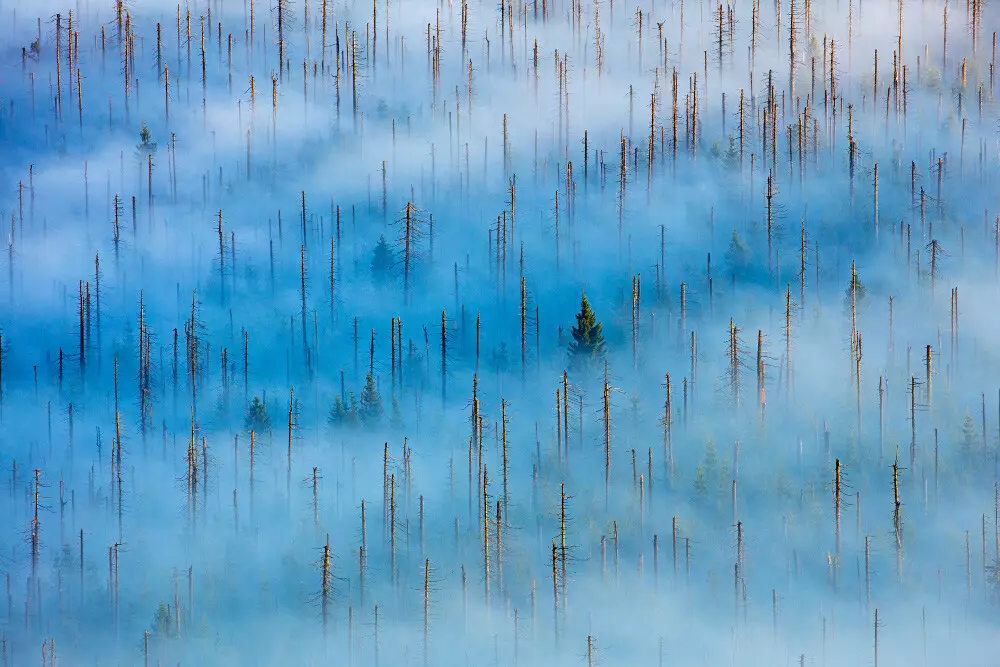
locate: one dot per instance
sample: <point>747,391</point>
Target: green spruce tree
<point>370,412</point>
<point>587,346</point>
<point>163,622</point>
<point>338,413</point>
<point>351,417</point>
<point>148,146</point>
<point>737,256</point>
<point>855,289</point>
<point>383,261</point>
<point>731,159</point>
<point>344,413</point>
<point>700,483</point>
<point>396,420</point>
<point>256,418</point>
<point>711,458</point>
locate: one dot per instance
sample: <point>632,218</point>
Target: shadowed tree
<point>344,414</point>
<point>738,256</point>
<point>500,358</point>
<point>371,411</point>
<point>731,158</point>
<point>969,449</point>
<point>587,346</point>
<point>34,51</point>
<point>396,418</point>
<point>163,622</point>
<point>256,418</point>
<point>383,261</point>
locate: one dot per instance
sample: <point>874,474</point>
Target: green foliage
<point>855,290</point>
<point>164,624</point>
<point>396,420</point>
<point>738,255</point>
<point>338,412</point>
<point>342,414</point>
<point>353,418</point>
<point>725,480</point>
<point>588,345</point>
<point>700,482</point>
<point>731,159</point>
<point>148,146</point>
<point>256,418</point>
<point>383,261</point>
<point>711,458</point>
<point>371,411</point>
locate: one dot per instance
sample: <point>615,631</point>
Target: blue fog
<point>238,430</point>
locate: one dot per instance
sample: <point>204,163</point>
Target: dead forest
<point>526,333</point>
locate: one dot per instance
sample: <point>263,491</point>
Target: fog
<point>759,459</point>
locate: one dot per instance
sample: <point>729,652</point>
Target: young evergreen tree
<point>969,439</point>
<point>700,483</point>
<point>587,346</point>
<point>382,262</point>
<point>256,418</point>
<point>148,146</point>
<point>351,413</point>
<point>716,151</point>
<point>731,159</point>
<point>396,420</point>
<point>344,414</point>
<point>711,458</point>
<point>163,622</point>
<point>338,413</point>
<point>737,256</point>
<point>855,286</point>
<point>371,410</point>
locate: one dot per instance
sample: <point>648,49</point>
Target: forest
<point>602,335</point>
